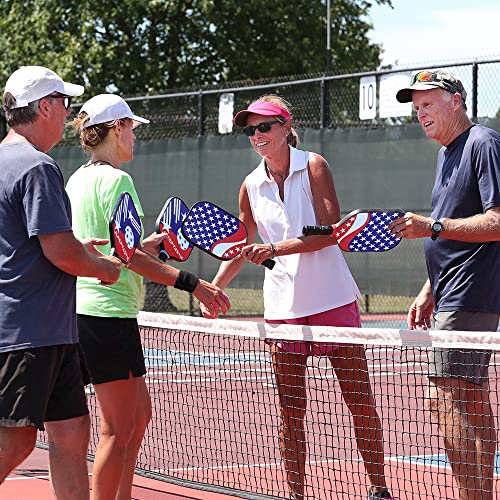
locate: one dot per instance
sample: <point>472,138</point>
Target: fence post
<point>201,112</point>
<point>475,67</point>
<point>323,121</point>
<point>201,133</point>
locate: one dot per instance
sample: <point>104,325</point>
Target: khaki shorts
<point>468,364</point>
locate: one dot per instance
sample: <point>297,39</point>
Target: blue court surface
<point>438,461</point>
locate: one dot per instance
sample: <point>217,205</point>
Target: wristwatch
<point>436,228</point>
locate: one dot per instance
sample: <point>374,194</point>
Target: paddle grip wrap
<point>186,281</point>
<point>268,263</point>
<point>308,230</point>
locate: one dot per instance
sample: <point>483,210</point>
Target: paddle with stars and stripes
<point>125,228</point>
<point>362,230</point>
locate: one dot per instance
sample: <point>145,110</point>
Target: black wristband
<point>186,281</point>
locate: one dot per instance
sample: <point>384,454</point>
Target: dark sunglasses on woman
<point>261,127</point>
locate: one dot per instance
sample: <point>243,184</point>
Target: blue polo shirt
<point>466,276</point>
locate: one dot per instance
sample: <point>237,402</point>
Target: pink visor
<point>260,108</point>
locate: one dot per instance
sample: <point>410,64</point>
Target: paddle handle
<point>326,230</point>
<point>269,263</point>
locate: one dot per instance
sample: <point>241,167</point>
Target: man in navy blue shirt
<point>40,380</point>
<point>462,251</point>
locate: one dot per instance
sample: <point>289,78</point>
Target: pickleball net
<point>216,412</point>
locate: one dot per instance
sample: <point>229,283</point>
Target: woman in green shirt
<point>107,325</point>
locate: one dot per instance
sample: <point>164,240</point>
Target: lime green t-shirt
<point>93,191</point>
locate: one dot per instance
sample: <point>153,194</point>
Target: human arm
<point>155,270</point>
<point>478,228</point>
<point>327,210</point>
<point>77,258</point>
<point>419,315</point>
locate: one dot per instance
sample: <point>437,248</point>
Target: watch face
<point>437,227</point>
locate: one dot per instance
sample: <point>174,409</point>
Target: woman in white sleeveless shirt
<point>309,285</point>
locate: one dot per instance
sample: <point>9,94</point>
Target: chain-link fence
<point>329,102</point>
<point>317,102</point>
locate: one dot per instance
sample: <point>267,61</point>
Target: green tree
<point>149,46</point>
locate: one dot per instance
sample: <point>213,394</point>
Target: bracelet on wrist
<point>186,281</point>
<point>273,250</point>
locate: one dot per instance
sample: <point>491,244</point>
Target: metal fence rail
<point>327,101</point>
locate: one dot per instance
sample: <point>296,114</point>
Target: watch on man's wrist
<point>436,228</point>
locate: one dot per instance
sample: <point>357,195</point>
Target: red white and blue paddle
<point>175,246</point>
<point>124,228</point>
<point>216,232</point>
<point>361,231</point>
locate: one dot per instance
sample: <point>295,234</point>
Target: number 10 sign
<point>368,97</point>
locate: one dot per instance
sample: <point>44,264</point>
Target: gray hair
<point>19,116</point>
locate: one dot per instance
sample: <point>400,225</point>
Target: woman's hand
<point>258,253</point>
<point>151,244</point>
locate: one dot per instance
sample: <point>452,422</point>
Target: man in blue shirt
<point>463,263</point>
<point>40,380</point>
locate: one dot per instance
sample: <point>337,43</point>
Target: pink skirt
<point>347,315</point>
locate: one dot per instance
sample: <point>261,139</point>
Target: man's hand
<point>411,226</point>
<point>419,315</point>
<point>91,243</point>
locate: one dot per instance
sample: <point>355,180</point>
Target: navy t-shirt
<point>37,300</point>
<point>466,276</point>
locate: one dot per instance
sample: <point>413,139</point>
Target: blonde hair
<point>293,137</point>
<point>92,136</point>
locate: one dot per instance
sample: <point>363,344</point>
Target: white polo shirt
<point>304,283</point>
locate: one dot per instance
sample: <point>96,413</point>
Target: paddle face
<point>366,231</point>
<point>175,246</point>
<point>124,228</point>
<point>214,230</point>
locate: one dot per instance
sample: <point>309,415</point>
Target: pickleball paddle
<point>361,231</point>
<point>216,232</point>
<point>169,221</point>
<point>124,228</point>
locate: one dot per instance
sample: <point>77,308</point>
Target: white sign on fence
<point>389,85</point>
<point>368,97</point>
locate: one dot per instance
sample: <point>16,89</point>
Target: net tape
<point>343,335</point>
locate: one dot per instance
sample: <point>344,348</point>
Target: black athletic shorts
<point>110,348</point>
<point>40,385</point>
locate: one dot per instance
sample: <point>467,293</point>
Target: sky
<point>435,32</point>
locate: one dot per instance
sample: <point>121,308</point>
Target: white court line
<point>197,380</point>
<point>207,372</point>
<point>246,466</point>
<point>23,478</point>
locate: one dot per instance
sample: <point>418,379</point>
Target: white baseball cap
<point>107,108</point>
<point>29,83</point>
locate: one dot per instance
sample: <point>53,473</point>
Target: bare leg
<point>68,444</point>
<point>351,370</point>
<point>289,370</point>
<point>142,418</point>
<point>16,443</point>
<point>463,413</point>
<point>118,403</point>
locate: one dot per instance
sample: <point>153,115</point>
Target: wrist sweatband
<point>186,281</point>
<point>273,250</point>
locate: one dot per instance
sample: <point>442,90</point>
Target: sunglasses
<point>66,99</point>
<point>261,127</point>
<point>424,76</point>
